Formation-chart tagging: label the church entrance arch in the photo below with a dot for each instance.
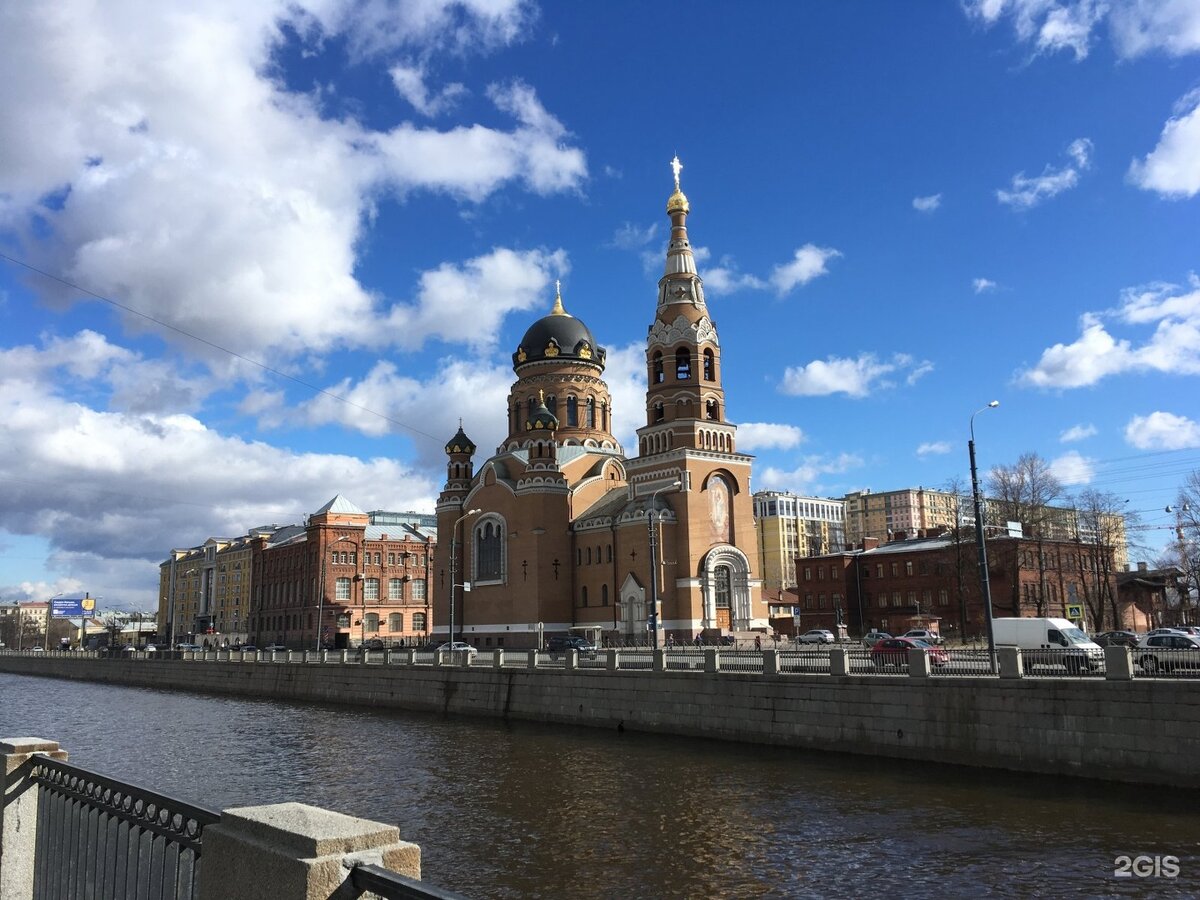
(725, 584)
(633, 611)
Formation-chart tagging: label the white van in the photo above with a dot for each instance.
(1062, 642)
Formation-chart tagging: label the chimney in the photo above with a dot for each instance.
(1141, 567)
(870, 543)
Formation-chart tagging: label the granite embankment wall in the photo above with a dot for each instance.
(1142, 730)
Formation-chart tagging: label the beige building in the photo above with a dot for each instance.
(791, 526)
(888, 513)
(560, 531)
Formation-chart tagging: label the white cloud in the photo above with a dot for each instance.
(768, 436)
(805, 478)
(238, 204)
(983, 284)
(1027, 192)
(934, 448)
(854, 377)
(726, 279)
(1140, 26)
(1048, 25)
(1077, 433)
(927, 204)
(410, 83)
(1072, 468)
(1162, 431)
(633, 237)
(1173, 346)
(1172, 168)
(808, 263)
(625, 375)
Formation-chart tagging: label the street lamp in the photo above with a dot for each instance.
(650, 522)
(984, 584)
(454, 567)
(321, 595)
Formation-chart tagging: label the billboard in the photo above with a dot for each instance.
(71, 607)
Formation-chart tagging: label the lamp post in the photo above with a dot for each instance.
(454, 566)
(985, 586)
(321, 594)
(650, 522)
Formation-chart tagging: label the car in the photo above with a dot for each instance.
(871, 638)
(374, 644)
(187, 646)
(1168, 653)
(559, 644)
(924, 634)
(151, 648)
(816, 636)
(894, 652)
(37, 650)
(1157, 631)
(248, 648)
(273, 647)
(1116, 639)
(460, 647)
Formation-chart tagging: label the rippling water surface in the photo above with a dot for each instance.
(526, 810)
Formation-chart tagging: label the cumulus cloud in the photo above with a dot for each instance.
(1027, 192)
(1172, 347)
(172, 152)
(1143, 26)
(934, 448)
(1172, 168)
(1073, 468)
(1050, 25)
(410, 83)
(982, 285)
(808, 263)
(927, 204)
(726, 279)
(806, 477)
(633, 237)
(752, 436)
(625, 375)
(856, 377)
(1077, 433)
(1162, 431)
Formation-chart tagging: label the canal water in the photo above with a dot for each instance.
(525, 810)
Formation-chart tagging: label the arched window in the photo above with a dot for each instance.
(604, 415)
(591, 412)
(709, 365)
(604, 595)
(656, 374)
(659, 412)
(572, 411)
(489, 551)
(609, 554)
(712, 410)
(583, 595)
(552, 405)
(589, 549)
(722, 591)
(532, 407)
(683, 364)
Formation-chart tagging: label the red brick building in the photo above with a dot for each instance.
(344, 578)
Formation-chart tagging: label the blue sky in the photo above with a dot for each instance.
(324, 226)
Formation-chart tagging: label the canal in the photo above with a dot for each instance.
(525, 811)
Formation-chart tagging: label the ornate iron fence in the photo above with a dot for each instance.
(98, 837)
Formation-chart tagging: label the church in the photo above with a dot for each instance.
(559, 532)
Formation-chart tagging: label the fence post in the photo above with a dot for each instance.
(712, 660)
(839, 661)
(292, 850)
(660, 660)
(1118, 663)
(918, 662)
(770, 662)
(18, 814)
(498, 658)
(1008, 660)
(532, 662)
(613, 663)
(571, 660)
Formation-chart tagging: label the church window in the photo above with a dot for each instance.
(659, 412)
(583, 595)
(589, 556)
(609, 554)
(489, 551)
(722, 591)
(683, 364)
(712, 410)
(552, 405)
(656, 376)
(591, 412)
(579, 556)
(604, 595)
(572, 411)
(604, 415)
(709, 366)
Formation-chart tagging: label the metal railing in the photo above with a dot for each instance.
(392, 886)
(1166, 662)
(1060, 662)
(98, 837)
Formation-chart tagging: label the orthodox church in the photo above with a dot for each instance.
(560, 532)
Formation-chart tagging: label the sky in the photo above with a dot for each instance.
(256, 255)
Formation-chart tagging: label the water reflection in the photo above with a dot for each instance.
(526, 810)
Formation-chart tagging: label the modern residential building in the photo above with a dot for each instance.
(791, 526)
(559, 530)
(886, 513)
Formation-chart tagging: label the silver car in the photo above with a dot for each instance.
(816, 636)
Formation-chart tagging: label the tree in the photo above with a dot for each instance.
(1023, 493)
(962, 537)
(1101, 524)
(1186, 547)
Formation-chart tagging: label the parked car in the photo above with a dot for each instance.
(460, 647)
(186, 646)
(247, 648)
(375, 644)
(816, 636)
(1168, 653)
(1046, 641)
(1116, 639)
(559, 644)
(273, 647)
(871, 638)
(894, 652)
(924, 634)
(1172, 630)
(37, 649)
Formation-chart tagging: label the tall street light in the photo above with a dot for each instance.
(321, 594)
(650, 522)
(454, 567)
(985, 586)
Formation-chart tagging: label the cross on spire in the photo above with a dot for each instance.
(676, 167)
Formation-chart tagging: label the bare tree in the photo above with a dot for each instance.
(1101, 526)
(1023, 493)
(962, 537)
(1186, 547)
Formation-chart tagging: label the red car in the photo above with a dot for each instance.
(894, 652)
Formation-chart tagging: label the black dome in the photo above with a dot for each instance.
(558, 336)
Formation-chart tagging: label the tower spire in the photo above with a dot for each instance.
(558, 307)
(680, 282)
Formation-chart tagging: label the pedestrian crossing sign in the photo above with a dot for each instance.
(1075, 611)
